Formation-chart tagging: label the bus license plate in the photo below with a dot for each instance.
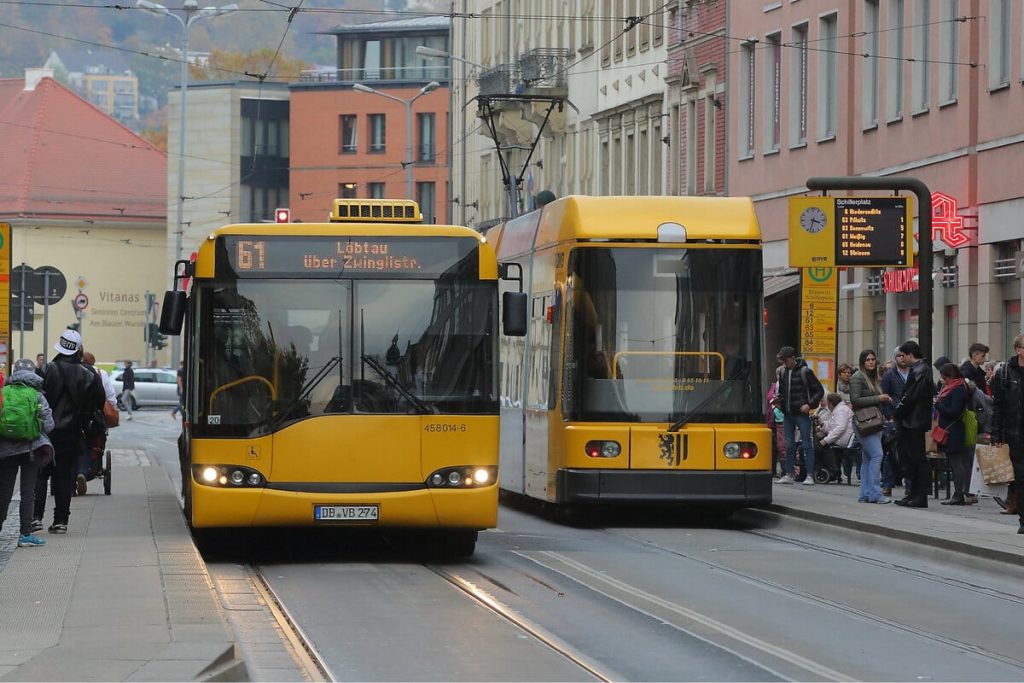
(346, 513)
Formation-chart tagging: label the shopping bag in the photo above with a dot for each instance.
(995, 464)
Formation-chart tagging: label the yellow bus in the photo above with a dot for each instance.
(342, 373)
(640, 378)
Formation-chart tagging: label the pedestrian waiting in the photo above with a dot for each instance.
(913, 416)
(799, 391)
(951, 435)
(25, 420)
(867, 398)
(1008, 417)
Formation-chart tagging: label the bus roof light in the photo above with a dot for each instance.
(671, 232)
(375, 211)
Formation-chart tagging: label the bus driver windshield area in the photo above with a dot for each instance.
(292, 341)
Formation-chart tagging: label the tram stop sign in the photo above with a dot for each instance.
(55, 286)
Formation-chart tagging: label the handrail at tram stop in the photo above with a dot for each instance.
(618, 354)
(229, 385)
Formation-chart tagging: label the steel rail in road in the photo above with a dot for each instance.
(308, 658)
(546, 638)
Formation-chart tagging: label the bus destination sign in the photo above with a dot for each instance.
(316, 256)
(872, 231)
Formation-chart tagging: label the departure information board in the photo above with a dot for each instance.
(826, 232)
(872, 231)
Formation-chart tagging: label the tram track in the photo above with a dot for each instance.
(844, 607)
(303, 650)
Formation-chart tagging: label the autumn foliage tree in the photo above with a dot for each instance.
(228, 65)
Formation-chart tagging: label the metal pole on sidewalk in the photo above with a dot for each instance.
(46, 312)
(21, 315)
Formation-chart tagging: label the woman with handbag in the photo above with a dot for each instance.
(866, 397)
(949, 433)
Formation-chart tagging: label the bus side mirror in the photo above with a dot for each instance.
(513, 314)
(172, 314)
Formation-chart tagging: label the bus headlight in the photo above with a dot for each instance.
(739, 450)
(463, 477)
(233, 476)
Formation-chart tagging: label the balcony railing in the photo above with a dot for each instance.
(503, 79)
(1004, 268)
(544, 67)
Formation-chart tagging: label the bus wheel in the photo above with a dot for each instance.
(458, 543)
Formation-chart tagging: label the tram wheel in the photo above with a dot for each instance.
(458, 543)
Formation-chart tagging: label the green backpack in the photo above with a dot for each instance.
(19, 414)
(970, 428)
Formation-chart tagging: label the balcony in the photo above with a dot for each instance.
(371, 75)
(544, 71)
(499, 80)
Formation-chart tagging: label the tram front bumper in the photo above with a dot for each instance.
(736, 488)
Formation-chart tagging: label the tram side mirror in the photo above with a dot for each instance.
(513, 314)
(172, 314)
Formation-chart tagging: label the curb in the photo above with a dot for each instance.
(973, 551)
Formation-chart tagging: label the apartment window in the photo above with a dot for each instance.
(631, 35)
(999, 43)
(425, 196)
(869, 46)
(347, 190)
(607, 26)
(630, 171)
(950, 45)
(645, 27)
(657, 20)
(828, 77)
(616, 183)
(921, 91)
(605, 168)
(376, 128)
(897, 46)
(347, 131)
(426, 126)
(691, 146)
(644, 172)
(709, 141)
(798, 89)
(656, 169)
(376, 190)
(747, 104)
(773, 93)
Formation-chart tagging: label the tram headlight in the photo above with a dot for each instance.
(603, 449)
(463, 477)
(228, 475)
(740, 450)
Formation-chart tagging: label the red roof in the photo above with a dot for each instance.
(62, 158)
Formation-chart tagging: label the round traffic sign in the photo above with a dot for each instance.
(81, 301)
(48, 285)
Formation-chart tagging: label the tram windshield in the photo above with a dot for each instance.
(659, 335)
(274, 351)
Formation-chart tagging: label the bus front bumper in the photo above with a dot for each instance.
(681, 487)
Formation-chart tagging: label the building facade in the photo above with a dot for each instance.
(103, 79)
(85, 197)
(929, 89)
(604, 59)
(354, 141)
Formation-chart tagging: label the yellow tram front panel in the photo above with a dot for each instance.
(690, 448)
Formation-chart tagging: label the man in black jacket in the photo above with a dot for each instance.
(972, 367)
(75, 393)
(913, 416)
(1008, 416)
(799, 392)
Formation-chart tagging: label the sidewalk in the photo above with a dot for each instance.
(124, 596)
(977, 530)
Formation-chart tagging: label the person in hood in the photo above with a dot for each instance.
(799, 390)
(25, 457)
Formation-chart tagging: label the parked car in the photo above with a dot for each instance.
(153, 387)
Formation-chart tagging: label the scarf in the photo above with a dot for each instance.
(948, 388)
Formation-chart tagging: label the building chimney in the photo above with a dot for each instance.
(35, 74)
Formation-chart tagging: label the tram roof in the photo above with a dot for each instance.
(576, 217)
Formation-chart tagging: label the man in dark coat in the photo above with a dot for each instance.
(913, 416)
(1008, 416)
(799, 392)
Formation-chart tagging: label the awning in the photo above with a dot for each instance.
(780, 283)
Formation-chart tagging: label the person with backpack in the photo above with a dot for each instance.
(799, 391)
(1008, 419)
(25, 419)
(75, 394)
(950, 405)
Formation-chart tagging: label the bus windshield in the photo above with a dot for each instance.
(276, 351)
(659, 335)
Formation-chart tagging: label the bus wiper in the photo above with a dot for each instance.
(421, 406)
(696, 411)
(307, 388)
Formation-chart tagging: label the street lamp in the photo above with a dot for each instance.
(192, 14)
(424, 51)
(429, 87)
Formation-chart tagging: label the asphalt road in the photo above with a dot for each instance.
(636, 595)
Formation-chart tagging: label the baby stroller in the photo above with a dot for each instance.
(99, 460)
